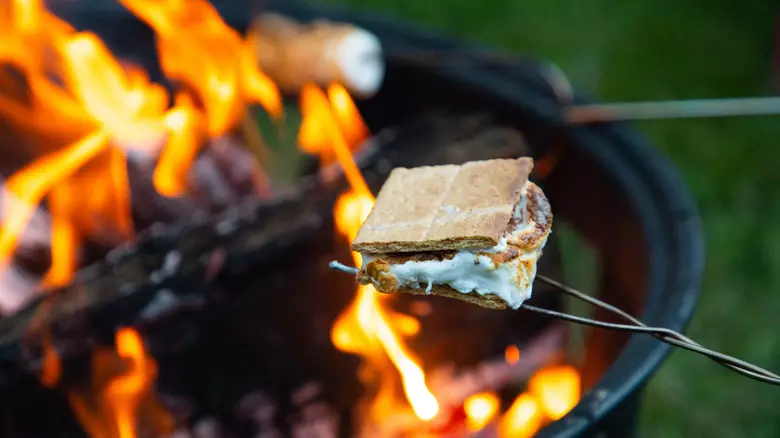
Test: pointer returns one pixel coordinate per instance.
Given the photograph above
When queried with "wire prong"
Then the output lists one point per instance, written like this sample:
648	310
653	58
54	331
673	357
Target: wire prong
669	336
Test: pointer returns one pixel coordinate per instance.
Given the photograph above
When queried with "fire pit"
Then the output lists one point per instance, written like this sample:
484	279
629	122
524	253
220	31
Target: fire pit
239	313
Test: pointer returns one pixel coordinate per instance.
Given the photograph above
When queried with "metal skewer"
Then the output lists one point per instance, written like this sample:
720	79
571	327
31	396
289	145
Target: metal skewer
672	109
602	112
336	266
633	325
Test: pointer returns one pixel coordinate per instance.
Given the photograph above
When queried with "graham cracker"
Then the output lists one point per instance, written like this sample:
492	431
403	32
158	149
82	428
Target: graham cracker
444	207
488	301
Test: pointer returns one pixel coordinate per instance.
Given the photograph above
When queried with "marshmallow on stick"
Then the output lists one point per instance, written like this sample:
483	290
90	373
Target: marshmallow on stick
321	52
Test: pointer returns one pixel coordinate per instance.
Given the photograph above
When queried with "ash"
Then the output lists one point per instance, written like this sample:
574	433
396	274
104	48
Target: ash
164	300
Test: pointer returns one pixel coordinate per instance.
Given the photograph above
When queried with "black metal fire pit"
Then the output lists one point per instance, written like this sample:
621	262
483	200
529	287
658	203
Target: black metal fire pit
266	326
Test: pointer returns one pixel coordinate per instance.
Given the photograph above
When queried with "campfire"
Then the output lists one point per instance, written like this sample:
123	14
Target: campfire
104	154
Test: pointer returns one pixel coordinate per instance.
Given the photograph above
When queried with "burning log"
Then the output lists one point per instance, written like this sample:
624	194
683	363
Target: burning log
224	174
102	113
294	54
174	270
160	260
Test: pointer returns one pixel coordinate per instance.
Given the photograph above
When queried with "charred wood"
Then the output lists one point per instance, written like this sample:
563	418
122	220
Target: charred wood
172	279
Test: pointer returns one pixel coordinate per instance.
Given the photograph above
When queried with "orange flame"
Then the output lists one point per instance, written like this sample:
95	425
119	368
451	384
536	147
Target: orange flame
325	126
185	126
522	419
124	392
121	401
31	183
552	392
346	117
480	410
200	51
51	368
364	328
87	107
557	389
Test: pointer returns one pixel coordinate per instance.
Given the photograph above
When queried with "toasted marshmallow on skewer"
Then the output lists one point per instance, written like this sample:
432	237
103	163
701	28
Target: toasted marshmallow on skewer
473	232
293	54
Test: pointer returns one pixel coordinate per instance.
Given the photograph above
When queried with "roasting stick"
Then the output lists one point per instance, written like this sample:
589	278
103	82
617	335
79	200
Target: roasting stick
598	112
636	326
672	109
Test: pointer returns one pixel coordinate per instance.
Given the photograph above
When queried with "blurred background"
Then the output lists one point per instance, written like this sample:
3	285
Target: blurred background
651	50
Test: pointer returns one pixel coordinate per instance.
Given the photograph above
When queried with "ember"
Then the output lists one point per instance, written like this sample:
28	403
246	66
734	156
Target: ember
522	419
557	389
480	410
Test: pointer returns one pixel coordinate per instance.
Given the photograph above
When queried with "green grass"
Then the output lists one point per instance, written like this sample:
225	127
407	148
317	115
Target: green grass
662	49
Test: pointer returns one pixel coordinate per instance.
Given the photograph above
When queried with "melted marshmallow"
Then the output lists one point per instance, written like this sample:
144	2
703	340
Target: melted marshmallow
469	272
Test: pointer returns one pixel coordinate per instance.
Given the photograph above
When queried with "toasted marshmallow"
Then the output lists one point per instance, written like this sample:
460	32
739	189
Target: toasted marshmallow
294	54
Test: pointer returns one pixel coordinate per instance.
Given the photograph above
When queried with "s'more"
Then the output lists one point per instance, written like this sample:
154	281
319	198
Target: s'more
473	232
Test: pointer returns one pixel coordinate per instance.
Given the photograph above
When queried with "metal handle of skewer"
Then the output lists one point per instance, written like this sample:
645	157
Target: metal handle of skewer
673	109
601	112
